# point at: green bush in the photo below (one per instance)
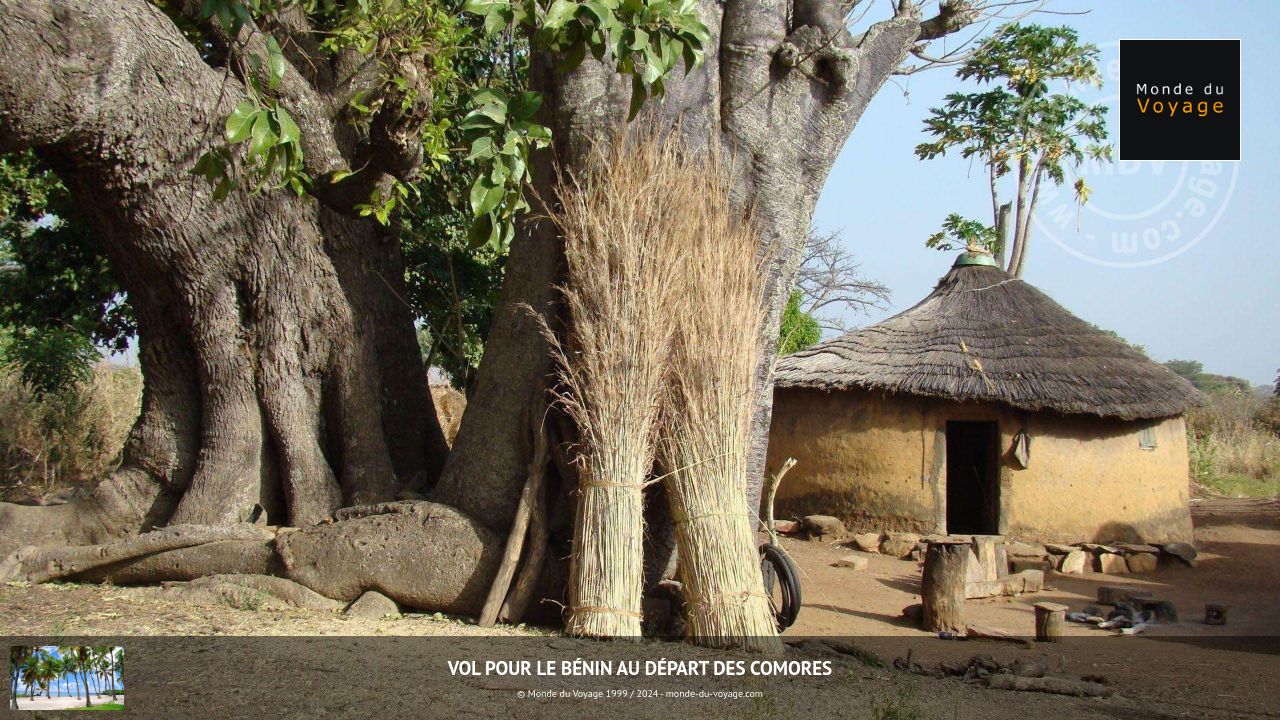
(1233, 445)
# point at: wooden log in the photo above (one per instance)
(1049, 621)
(520, 525)
(943, 587)
(530, 572)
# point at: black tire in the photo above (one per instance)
(778, 568)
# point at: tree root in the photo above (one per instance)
(420, 554)
(43, 563)
(248, 592)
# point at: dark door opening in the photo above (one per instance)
(973, 478)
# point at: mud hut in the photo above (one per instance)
(985, 409)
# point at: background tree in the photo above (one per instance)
(832, 285)
(248, 162)
(798, 329)
(1021, 128)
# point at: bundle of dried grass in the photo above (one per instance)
(718, 314)
(614, 217)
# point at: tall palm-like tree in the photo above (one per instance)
(50, 670)
(81, 655)
(18, 655)
(31, 674)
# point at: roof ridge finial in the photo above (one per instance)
(975, 254)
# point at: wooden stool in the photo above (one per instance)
(942, 587)
(1049, 619)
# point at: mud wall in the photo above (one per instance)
(879, 462)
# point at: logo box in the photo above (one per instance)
(1180, 99)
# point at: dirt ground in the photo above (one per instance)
(1186, 669)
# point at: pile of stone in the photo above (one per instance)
(1068, 559)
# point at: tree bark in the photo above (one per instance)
(778, 94)
(280, 365)
(942, 589)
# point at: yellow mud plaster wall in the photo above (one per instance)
(879, 463)
(1090, 480)
(860, 457)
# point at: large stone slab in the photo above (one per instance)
(823, 526)
(867, 542)
(1073, 563)
(1110, 564)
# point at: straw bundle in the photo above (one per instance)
(707, 412)
(613, 218)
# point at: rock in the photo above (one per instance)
(867, 542)
(983, 589)
(853, 562)
(1110, 564)
(1016, 548)
(1018, 564)
(821, 526)
(1073, 563)
(1112, 594)
(1128, 548)
(1142, 562)
(1057, 549)
(908, 537)
(897, 548)
(1032, 580)
(1023, 667)
(1186, 552)
(372, 605)
(913, 612)
(786, 527)
(1095, 548)
(1164, 611)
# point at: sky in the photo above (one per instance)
(1203, 289)
(67, 684)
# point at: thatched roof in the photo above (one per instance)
(983, 335)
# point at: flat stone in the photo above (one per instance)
(786, 527)
(1073, 563)
(1137, 548)
(1058, 549)
(1186, 552)
(1018, 564)
(867, 542)
(1097, 549)
(853, 562)
(372, 605)
(1110, 564)
(1032, 580)
(1112, 594)
(1021, 549)
(897, 548)
(823, 525)
(1142, 562)
(908, 537)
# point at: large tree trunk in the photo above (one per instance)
(280, 366)
(779, 93)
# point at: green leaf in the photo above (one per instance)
(482, 148)
(560, 12)
(262, 138)
(240, 121)
(484, 196)
(275, 62)
(289, 132)
(637, 97)
(340, 175)
(480, 230)
(526, 104)
(573, 57)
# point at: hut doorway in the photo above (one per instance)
(973, 472)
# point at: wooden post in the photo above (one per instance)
(1049, 619)
(520, 526)
(942, 589)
